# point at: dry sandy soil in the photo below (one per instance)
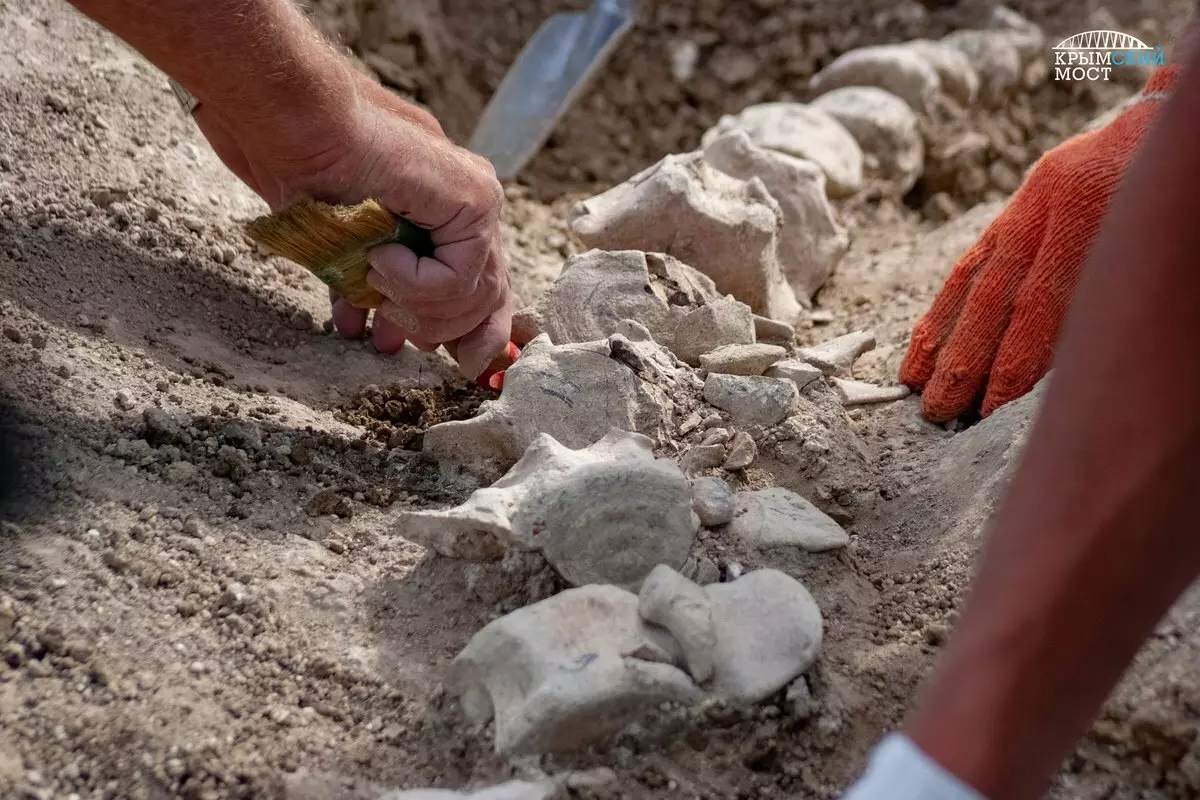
(220, 607)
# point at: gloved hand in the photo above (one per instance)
(899, 770)
(996, 321)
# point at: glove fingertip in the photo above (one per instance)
(940, 405)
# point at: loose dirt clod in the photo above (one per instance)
(398, 416)
(742, 452)
(713, 500)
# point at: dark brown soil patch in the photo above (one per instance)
(398, 416)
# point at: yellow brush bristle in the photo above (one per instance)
(331, 242)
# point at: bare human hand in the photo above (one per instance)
(396, 153)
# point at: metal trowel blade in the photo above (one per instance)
(548, 76)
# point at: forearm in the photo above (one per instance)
(1097, 536)
(255, 62)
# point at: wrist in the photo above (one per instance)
(988, 711)
(967, 757)
(302, 116)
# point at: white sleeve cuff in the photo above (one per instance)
(898, 770)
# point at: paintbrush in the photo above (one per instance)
(332, 243)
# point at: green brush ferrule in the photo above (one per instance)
(413, 237)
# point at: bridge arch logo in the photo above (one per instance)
(1093, 55)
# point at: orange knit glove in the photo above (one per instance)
(996, 321)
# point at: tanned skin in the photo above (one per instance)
(292, 118)
(253, 63)
(1097, 536)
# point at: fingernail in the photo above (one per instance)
(491, 379)
(379, 282)
(404, 320)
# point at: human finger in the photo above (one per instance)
(387, 337)
(433, 330)
(493, 283)
(932, 331)
(480, 347)
(349, 321)
(1027, 349)
(398, 273)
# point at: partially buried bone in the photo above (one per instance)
(567, 672)
(895, 68)
(742, 640)
(810, 241)
(804, 132)
(996, 55)
(958, 77)
(603, 514)
(598, 290)
(576, 393)
(572, 670)
(884, 127)
(724, 227)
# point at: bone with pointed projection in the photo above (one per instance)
(810, 241)
(607, 513)
(801, 131)
(725, 227)
(599, 290)
(576, 393)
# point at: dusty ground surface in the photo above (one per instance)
(219, 607)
